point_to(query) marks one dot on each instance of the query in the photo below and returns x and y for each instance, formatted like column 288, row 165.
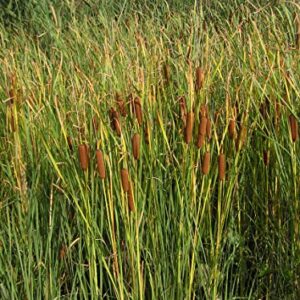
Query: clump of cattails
column 100, row 164
column 189, row 127
column 222, row 166
column 115, row 121
column 183, row 110
column 136, row 146
column 293, row 127
column 231, row 129
column 125, row 180
column 121, row 105
column 199, row 79
column 206, row 163
column 130, row 197
column 138, row 110
column 83, row 156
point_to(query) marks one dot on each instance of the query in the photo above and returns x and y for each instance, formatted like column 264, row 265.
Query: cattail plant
column 242, row 137
column 100, row 164
column 130, row 197
column 189, row 127
column 208, row 129
column 115, row 121
column 199, row 79
column 203, row 111
column 266, row 157
column 200, row 141
column 138, row 110
column 125, row 179
column 95, row 123
column 206, row 163
column 202, row 126
column 83, row 156
column 147, row 134
column 136, row 146
column 293, row 127
column 222, row 166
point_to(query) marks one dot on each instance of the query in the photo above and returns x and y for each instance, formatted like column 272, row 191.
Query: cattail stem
column 100, row 164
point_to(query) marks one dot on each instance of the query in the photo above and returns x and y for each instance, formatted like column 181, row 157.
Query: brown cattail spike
column 189, row 127
column 100, row 164
column 69, row 140
column 147, row 134
column 115, row 121
column 138, row 110
column 222, row 166
column 293, row 127
column 202, row 126
column 199, row 79
column 136, row 146
column 83, row 156
column 125, row 180
column 200, row 141
column 266, row 157
column 130, row 197
column 121, row 105
column 206, row 163
column 208, row 129
column 231, row 129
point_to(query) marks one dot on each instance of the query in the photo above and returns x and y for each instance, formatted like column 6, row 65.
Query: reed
column 100, row 164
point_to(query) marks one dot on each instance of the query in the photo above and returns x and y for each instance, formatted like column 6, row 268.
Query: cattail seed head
column 136, row 146
column 293, row 127
column 100, row 164
column 115, row 121
column 189, row 127
column 200, row 141
column 266, row 157
column 199, row 79
column 121, row 105
column 83, row 156
column 138, row 110
column 125, row 180
column 130, row 197
column 202, row 126
column 206, row 163
column 231, row 129
column 222, row 166
column 147, row 134
column 208, row 129
column 183, row 110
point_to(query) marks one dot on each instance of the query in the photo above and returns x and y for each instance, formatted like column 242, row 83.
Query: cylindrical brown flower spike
column 130, row 197
column 83, row 156
column 222, row 166
column 200, row 141
column 199, row 79
column 202, row 126
column 125, row 180
column 266, row 157
column 208, row 129
column 231, row 129
column 206, row 163
column 115, row 121
column 294, row 128
column 136, row 146
column 189, row 127
column 147, row 134
column 138, row 110
column 100, row 164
